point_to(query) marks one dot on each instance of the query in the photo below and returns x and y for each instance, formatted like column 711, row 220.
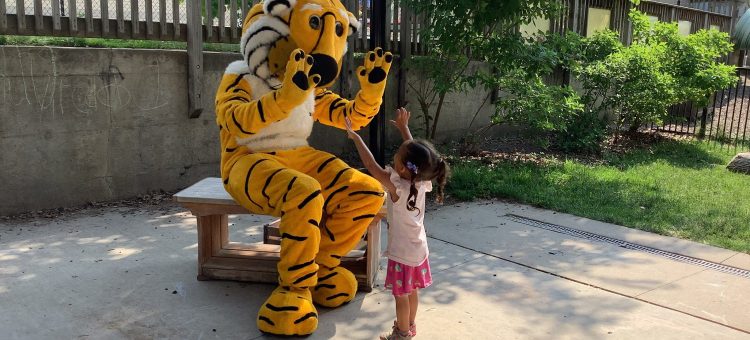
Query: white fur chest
column 289, row 133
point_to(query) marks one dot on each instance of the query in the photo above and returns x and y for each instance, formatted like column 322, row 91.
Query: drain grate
column 628, row 245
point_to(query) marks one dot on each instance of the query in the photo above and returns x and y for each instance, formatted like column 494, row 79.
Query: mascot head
column 273, row 28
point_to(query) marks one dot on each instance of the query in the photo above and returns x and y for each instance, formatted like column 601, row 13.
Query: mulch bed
column 159, row 201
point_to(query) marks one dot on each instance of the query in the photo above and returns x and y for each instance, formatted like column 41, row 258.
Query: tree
column 462, row 31
column 621, row 86
column 638, row 83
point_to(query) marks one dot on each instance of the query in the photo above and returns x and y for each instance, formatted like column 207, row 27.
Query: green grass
column 110, row 43
column 680, row 189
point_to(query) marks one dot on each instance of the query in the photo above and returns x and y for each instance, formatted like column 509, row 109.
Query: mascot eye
column 339, row 28
column 315, row 22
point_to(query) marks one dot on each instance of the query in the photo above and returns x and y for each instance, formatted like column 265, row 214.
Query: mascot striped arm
column 266, row 105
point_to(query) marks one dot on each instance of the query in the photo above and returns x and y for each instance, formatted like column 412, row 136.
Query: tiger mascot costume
column 265, row 106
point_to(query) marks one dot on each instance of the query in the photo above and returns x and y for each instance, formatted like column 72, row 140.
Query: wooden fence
column 195, row 22
column 575, row 16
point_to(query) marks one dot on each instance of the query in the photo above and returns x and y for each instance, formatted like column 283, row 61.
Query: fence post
column 377, row 39
column 404, row 52
column 3, row 17
column 344, row 83
column 195, row 58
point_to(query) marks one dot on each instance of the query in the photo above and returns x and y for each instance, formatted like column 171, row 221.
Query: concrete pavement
column 125, row 272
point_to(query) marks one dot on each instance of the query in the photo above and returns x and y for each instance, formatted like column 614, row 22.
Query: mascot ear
column 354, row 24
column 278, row 8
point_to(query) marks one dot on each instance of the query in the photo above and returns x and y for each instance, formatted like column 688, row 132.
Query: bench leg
column 373, row 252
column 213, row 235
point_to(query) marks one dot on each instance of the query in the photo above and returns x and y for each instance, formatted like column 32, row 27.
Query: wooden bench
column 221, row 259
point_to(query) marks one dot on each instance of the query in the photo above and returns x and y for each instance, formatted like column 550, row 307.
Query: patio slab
column 129, row 272
column 489, row 298
column 709, row 294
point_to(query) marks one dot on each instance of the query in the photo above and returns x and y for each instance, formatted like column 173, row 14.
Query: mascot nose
column 326, row 67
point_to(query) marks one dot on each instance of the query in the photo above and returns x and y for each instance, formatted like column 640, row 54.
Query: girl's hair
column 424, row 163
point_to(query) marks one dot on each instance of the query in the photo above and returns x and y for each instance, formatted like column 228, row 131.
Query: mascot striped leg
column 299, row 185
column 352, row 199
column 264, row 185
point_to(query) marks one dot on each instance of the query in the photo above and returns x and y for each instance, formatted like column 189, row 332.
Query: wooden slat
column 73, row 15
column 204, row 242
column 105, row 15
column 342, row 83
column 219, row 233
column 195, row 58
column 243, row 5
column 65, row 29
column 149, row 17
column 20, row 16
column 89, row 15
column 176, row 18
column 163, row 18
column 404, row 42
column 236, row 269
column 221, row 11
column 356, row 41
column 404, row 54
column 395, row 28
column 208, row 20
column 55, row 16
column 365, row 21
column 211, row 273
column 387, row 23
column 3, row 17
column 246, row 264
column 614, row 19
column 134, row 9
column 38, row 22
column 425, row 43
column 233, row 18
column 414, row 33
column 201, row 209
column 373, row 251
column 120, row 18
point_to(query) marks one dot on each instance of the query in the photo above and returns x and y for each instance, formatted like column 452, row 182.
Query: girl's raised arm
column 368, row 160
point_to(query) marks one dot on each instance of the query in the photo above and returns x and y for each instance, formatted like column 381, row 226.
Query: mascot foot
column 336, row 287
column 288, row 312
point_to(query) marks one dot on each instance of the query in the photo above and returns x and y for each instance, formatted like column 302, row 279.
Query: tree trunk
column 426, row 113
column 437, row 115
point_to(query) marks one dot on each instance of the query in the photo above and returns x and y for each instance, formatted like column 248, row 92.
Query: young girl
column 415, row 165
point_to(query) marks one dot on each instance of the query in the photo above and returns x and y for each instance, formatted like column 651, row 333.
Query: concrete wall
column 81, row 125
column 458, row 109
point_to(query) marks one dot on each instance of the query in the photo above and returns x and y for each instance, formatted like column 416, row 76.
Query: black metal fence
column 725, row 119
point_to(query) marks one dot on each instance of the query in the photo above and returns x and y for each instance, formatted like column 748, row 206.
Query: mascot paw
column 376, row 67
column 298, row 82
column 288, row 312
column 335, row 287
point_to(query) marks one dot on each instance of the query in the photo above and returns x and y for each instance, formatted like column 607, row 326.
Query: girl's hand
column 402, row 118
column 349, row 131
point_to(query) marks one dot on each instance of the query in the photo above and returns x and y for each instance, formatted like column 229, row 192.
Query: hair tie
column 412, row 167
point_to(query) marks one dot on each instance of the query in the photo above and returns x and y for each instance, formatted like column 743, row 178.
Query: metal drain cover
column 629, row 245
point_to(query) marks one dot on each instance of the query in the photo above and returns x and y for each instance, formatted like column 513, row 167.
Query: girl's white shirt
column 407, row 239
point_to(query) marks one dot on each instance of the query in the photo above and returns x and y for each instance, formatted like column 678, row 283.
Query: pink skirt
column 402, row 279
